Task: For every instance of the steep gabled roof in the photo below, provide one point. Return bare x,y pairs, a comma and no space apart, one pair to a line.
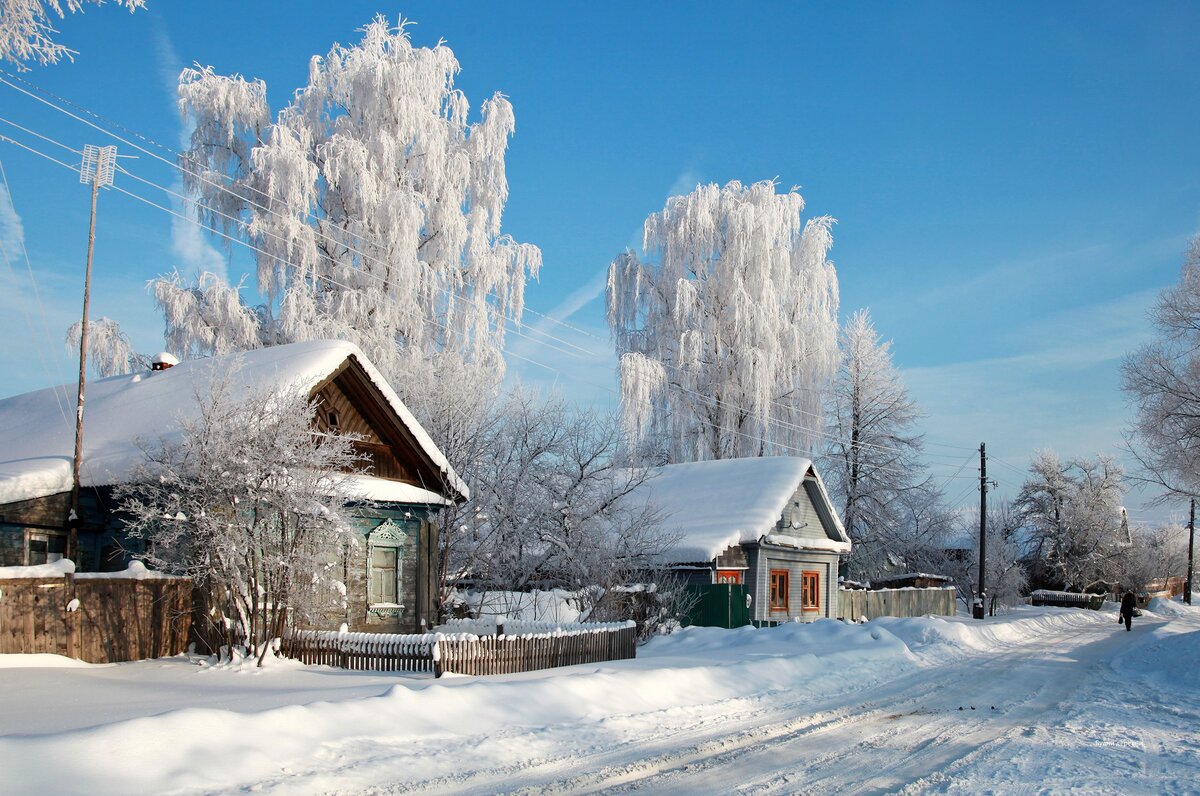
716,504
37,432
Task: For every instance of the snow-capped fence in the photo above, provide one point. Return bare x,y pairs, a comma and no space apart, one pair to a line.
98,617
857,604
1066,599
375,652
465,653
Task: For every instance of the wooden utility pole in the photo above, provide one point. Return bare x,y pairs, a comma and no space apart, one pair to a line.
1187,594
978,611
97,169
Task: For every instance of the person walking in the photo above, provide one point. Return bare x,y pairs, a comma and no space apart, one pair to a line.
1128,604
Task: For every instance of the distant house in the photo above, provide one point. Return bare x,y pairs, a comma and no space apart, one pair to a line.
391,585
765,523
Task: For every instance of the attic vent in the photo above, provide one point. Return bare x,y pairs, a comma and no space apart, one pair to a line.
332,419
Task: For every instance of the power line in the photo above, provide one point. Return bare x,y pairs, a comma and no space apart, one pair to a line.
366,274
774,402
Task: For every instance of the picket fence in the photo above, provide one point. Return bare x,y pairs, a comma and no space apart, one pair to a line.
463,653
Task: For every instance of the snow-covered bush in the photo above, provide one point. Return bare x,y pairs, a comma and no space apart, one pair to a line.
249,501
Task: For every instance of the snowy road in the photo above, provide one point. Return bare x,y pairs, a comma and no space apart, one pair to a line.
945,728
1049,700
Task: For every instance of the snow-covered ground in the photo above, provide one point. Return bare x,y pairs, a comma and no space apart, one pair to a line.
1041,699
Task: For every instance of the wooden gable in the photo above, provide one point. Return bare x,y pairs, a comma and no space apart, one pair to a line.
349,402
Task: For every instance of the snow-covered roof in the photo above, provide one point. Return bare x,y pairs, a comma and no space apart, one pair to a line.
715,504
37,430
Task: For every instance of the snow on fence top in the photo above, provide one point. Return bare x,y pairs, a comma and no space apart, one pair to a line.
521,627
715,504
359,641
37,438
65,566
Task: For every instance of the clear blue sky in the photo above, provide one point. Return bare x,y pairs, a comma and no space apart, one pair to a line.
1012,184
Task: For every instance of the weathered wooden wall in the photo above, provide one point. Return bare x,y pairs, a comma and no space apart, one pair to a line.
117,619
856,604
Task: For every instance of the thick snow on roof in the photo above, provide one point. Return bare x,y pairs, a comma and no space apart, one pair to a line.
37,430
716,504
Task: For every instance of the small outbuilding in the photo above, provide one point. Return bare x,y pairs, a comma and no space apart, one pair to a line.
764,524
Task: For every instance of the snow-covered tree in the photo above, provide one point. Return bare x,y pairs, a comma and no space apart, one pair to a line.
250,502
27,29
109,351
1073,517
374,204
726,326
1006,571
548,507
1155,554
872,457
1162,380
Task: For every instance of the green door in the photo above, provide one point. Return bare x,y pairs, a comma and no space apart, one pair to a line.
719,605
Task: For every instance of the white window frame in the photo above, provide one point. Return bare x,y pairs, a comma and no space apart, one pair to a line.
386,535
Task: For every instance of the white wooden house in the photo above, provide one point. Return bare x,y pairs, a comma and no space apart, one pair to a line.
766,523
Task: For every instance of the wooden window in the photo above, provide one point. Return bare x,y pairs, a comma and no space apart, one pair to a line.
810,591
729,576
779,590
384,563
383,576
46,547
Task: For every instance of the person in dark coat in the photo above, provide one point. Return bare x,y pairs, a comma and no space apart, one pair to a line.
1128,603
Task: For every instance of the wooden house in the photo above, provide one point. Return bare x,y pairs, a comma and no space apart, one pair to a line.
766,524
391,586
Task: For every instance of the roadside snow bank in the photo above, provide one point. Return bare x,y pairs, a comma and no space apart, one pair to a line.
954,637
1172,608
691,669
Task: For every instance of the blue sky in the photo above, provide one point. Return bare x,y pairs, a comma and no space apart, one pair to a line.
1012,184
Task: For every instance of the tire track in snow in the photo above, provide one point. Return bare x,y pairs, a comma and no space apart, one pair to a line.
881,734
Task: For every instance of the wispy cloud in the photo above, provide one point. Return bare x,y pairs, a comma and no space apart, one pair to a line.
1060,389
194,251
12,231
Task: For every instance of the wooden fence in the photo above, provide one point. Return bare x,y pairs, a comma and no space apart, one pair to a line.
102,619
463,653
375,652
1066,599
858,604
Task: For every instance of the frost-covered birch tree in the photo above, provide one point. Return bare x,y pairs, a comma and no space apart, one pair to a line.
872,455
27,28
726,325
374,205
109,351
1162,380
1072,514
250,502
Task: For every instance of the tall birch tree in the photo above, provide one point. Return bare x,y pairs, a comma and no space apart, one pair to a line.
726,324
872,457
374,206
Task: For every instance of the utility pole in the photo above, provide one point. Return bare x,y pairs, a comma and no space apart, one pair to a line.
97,168
981,595
1187,594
